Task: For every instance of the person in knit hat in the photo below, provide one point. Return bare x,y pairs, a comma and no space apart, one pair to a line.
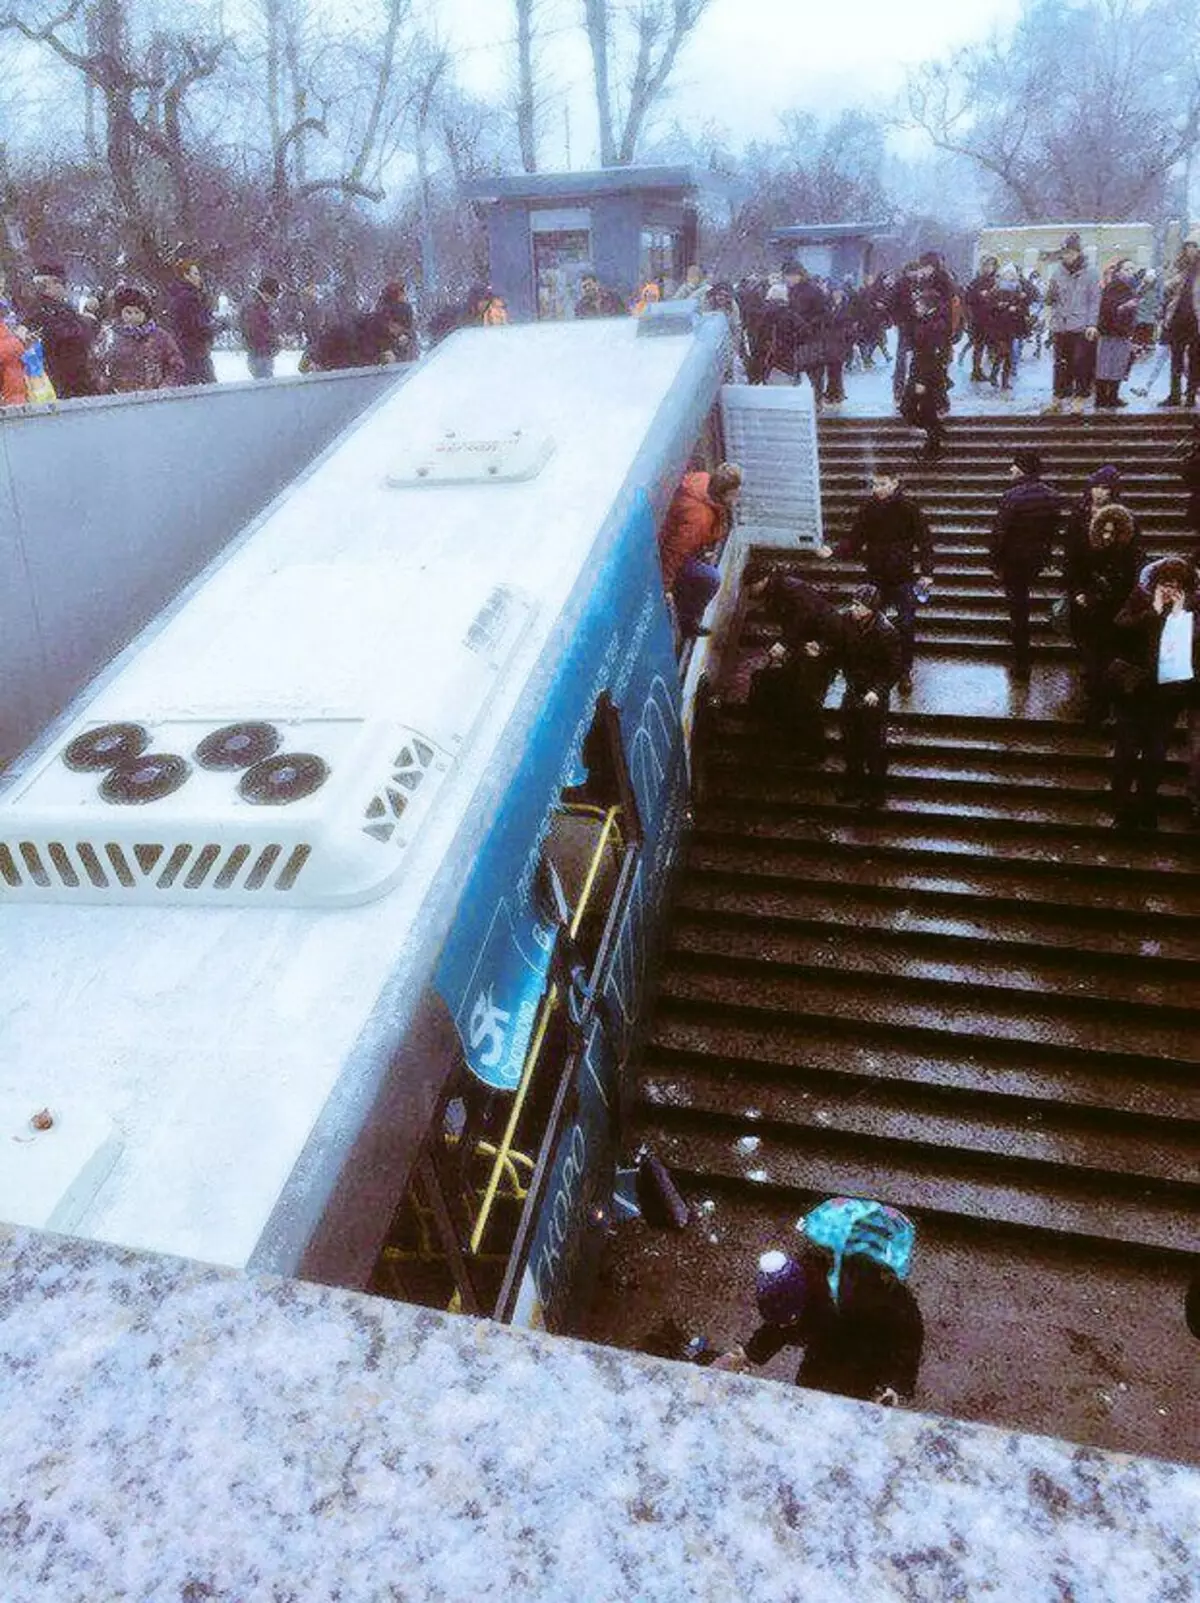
139,355
842,1297
1027,526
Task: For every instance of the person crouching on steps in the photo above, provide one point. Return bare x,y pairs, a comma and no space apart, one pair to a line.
869,657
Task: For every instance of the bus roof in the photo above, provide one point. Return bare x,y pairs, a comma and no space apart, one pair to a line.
187,1052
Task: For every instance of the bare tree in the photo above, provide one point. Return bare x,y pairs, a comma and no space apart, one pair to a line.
143,83
634,49
526,102
1082,110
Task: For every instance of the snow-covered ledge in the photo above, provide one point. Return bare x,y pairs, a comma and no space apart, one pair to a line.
176,1432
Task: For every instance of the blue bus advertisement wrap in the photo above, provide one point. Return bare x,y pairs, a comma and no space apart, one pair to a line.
494,968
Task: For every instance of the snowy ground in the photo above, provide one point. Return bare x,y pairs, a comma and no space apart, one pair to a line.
231,365
869,394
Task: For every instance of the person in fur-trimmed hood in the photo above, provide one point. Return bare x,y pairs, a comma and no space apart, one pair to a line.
1101,573
139,355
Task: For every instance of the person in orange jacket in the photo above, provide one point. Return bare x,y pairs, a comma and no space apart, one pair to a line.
12,369
648,295
696,524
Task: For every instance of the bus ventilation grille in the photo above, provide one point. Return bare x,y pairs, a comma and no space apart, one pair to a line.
258,813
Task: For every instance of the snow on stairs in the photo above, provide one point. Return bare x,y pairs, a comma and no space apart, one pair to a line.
979,1004
965,617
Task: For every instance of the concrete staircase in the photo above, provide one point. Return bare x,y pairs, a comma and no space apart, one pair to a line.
979,1005
965,617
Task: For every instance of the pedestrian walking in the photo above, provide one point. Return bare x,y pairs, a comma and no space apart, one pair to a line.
1115,324
869,655
1027,524
977,301
808,306
1073,306
259,321
891,537
1102,560
1181,326
1156,679
191,321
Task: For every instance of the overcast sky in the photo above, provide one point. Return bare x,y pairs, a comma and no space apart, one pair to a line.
748,60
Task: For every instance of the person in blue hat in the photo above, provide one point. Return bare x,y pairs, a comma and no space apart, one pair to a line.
842,1298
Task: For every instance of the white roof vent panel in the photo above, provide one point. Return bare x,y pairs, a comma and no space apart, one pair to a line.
508,457
261,811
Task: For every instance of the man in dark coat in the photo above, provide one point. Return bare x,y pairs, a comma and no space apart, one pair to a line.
807,304
260,327
1181,325
978,303
1156,677
67,335
596,301
868,649
1028,524
891,536
397,313
190,317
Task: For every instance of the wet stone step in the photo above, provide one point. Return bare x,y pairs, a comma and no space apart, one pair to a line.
947,918
738,1053
1046,739
758,950
1002,776
921,1116
1044,755
927,1004
929,1182
955,845
934,798
1145,905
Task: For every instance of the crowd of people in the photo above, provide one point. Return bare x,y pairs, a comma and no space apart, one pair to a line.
1132,618
788,327
59,345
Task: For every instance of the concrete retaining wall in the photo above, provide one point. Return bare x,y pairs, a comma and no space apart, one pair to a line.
109,506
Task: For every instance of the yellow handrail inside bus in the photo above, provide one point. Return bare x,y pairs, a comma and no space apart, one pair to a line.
545,1013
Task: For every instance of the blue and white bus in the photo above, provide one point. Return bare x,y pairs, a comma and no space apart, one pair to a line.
326,910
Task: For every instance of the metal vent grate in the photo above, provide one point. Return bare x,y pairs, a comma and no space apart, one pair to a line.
771,433
491,622
106,866
385,810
